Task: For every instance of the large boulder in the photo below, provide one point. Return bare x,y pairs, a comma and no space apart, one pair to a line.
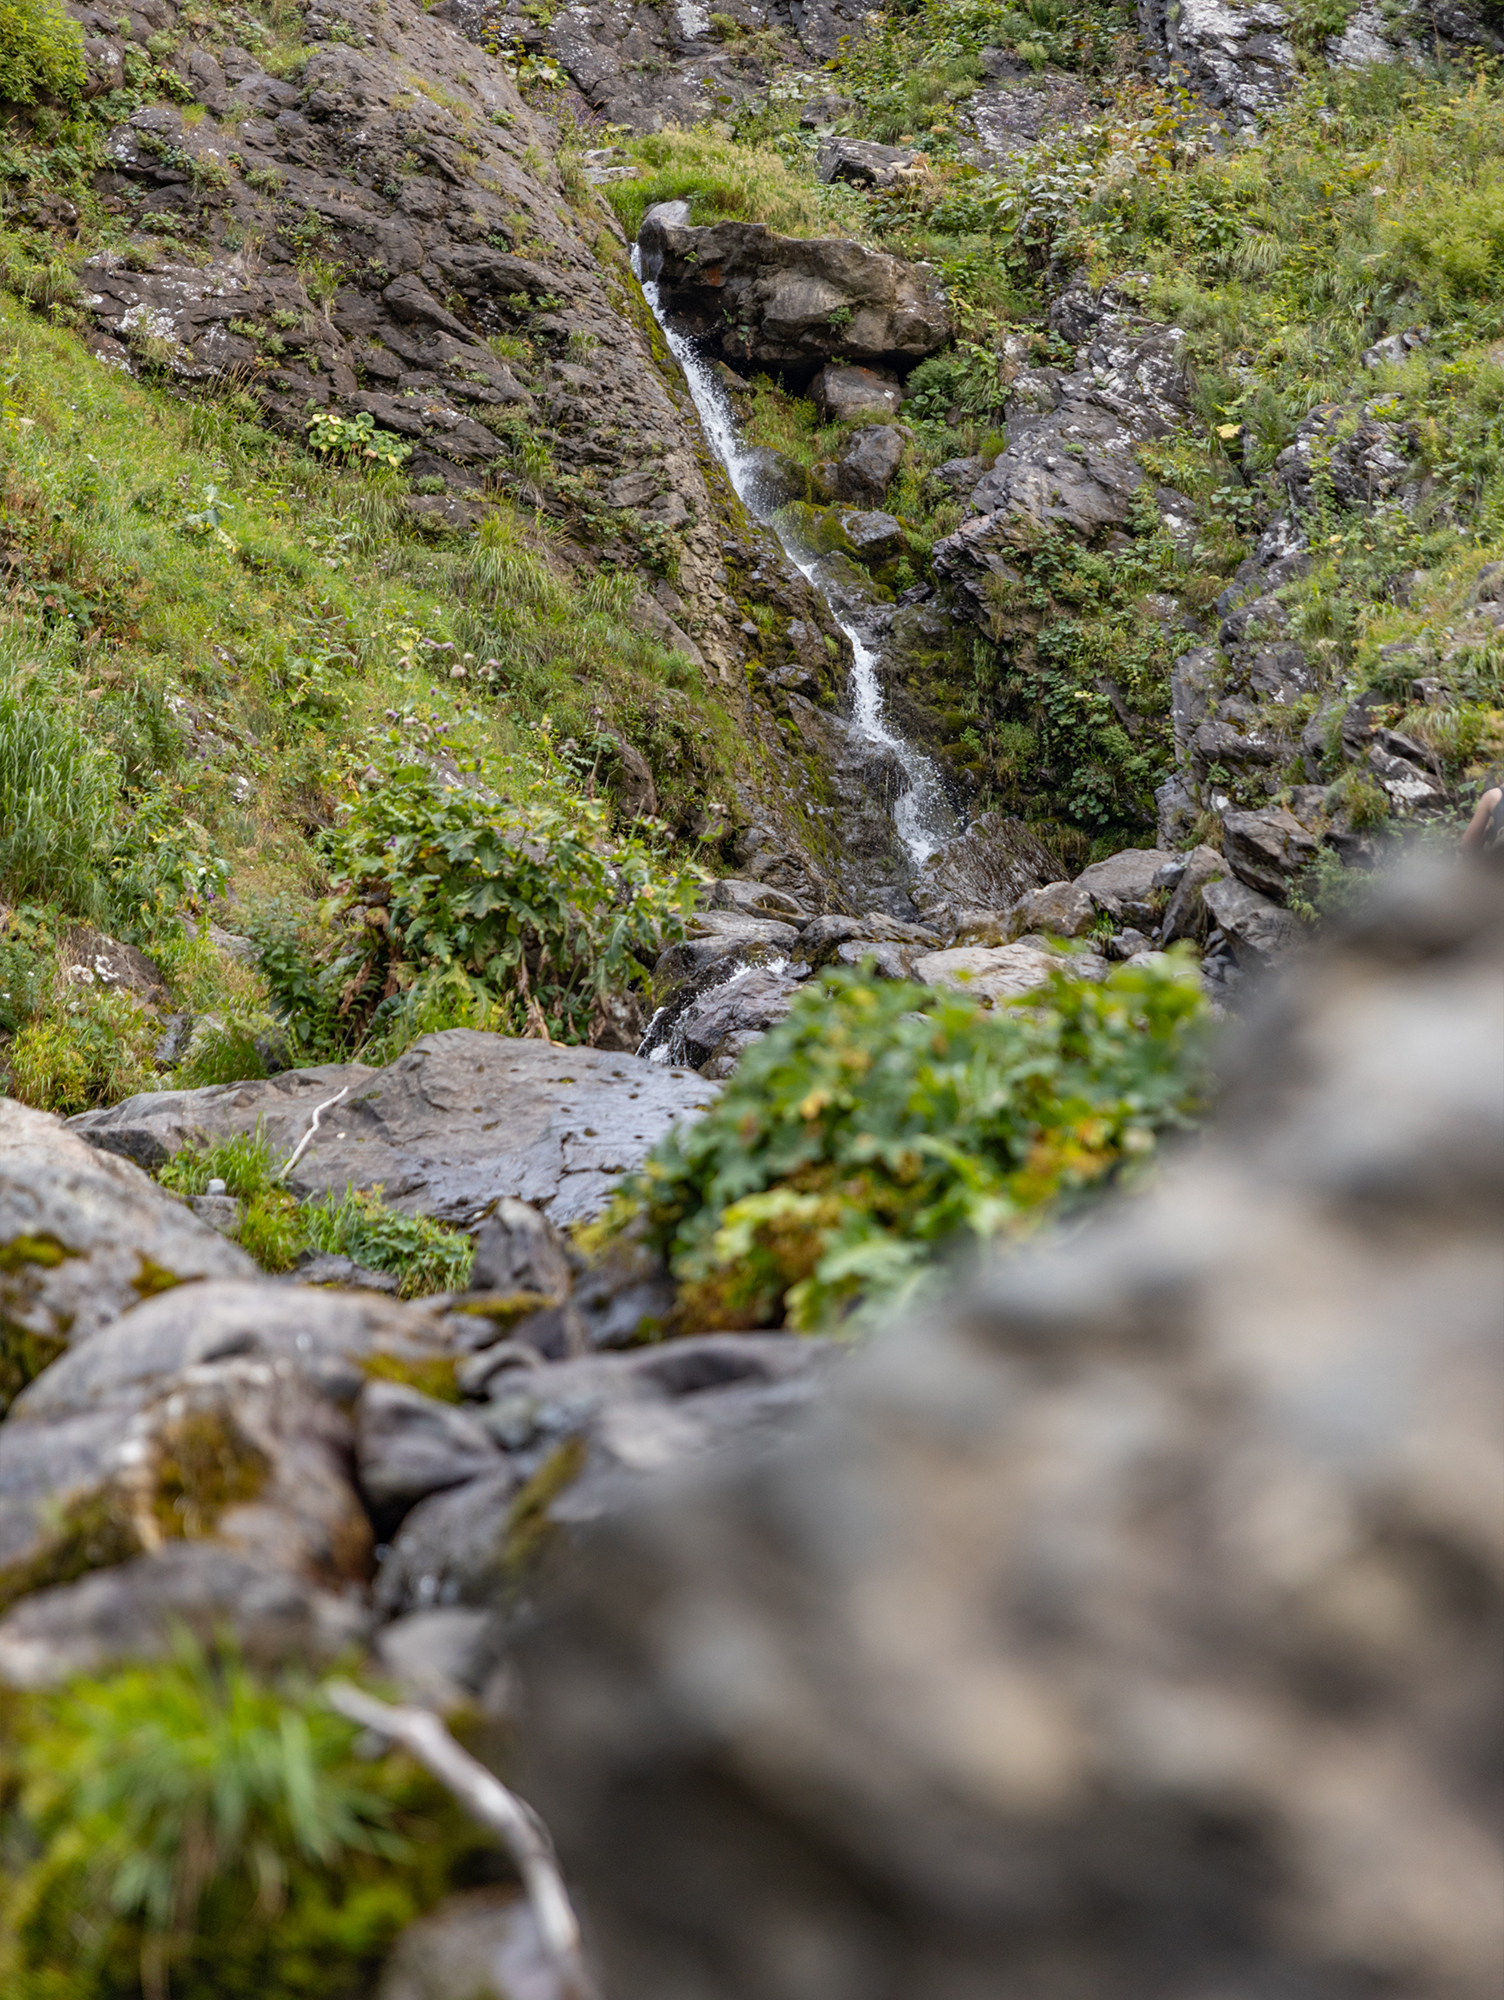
1268,849
990,866
869,464
138,1609
1125,1625
1260,932
1122,885
83,1237
459,1122
788,302
842,391
1002,972
217,1410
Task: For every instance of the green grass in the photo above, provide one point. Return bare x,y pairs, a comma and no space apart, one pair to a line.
193,1828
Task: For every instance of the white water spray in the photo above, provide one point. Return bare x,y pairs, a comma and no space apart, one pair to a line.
922,815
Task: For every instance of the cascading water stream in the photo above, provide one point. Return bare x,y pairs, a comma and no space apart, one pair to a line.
922,814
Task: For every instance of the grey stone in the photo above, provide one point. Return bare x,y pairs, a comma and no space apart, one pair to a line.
1260,932
1186,915
1123,879
1407,784
753,899
862,162
1268,849
1024,1646
1060,909
784,300
137,1611
83,1238
253,1453
408,1445
1002,972
517,1250
459,1122
322,1335
1358,458
875,537
750,1000
1074,466
990,866
869,463
1194,679
452,1548
958,476
841,391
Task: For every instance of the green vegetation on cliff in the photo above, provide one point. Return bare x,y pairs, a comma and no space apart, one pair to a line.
1370,204
207,638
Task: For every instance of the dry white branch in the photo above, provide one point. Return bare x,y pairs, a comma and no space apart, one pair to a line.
307,1139
519,1828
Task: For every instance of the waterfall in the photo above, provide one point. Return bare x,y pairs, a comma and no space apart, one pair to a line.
922,814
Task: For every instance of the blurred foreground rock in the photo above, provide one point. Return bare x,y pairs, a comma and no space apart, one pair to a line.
1127,1625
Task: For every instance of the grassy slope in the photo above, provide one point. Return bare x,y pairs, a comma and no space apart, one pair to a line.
203,629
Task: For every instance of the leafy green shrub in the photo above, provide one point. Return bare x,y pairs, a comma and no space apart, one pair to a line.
28,966
224,1049
356,440
58,806
505,902
190,1823
41,52
882,1122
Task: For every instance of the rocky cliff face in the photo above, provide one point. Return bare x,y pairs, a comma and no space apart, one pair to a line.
384,232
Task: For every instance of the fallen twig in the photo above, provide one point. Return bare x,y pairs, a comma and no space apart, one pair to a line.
307,1139
519,1828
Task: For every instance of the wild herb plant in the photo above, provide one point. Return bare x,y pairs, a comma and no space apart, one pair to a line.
883,1126
491,894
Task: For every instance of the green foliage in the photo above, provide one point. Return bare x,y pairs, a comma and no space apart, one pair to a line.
92,1046
421,1253
59,798
503,901
882,1124
245,1162
425,1255
356,439
41,52
190,1827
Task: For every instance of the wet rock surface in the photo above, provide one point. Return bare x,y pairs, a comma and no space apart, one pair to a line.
463,1120
1030,1603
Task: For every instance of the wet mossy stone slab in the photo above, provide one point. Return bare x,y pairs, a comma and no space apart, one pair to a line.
84,1236
460,1122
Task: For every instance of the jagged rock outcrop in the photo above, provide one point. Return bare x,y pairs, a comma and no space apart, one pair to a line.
1073,462
788,302
1126,1624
